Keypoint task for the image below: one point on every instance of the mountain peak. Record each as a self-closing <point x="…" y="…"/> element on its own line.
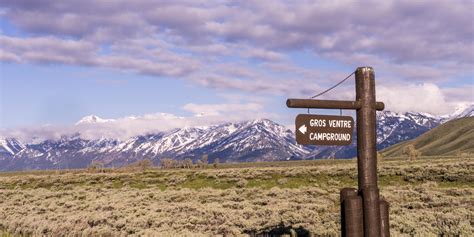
<point x="93" y="119"/>
<point x="262" y="120"/>
<point x="461" y="111"/>
<point x="464" y="110"/>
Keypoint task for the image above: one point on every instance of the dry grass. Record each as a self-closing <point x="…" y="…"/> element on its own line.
<point x="428" y="197"/>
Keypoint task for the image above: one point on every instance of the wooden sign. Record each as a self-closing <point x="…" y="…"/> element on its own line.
<point x="324" y="129"/>
<point x="310" y="129"/>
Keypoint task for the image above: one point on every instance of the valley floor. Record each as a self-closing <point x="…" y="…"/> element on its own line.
<point x="428" y="197"/>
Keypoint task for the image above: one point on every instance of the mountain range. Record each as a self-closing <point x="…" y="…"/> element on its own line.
<point x="257" y="140"/>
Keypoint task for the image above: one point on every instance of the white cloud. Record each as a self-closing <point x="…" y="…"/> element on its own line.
<point x="129" y="126"/>
<point x="8" y="57"/>
<point x="396" y="33"/>
<point x="265" y="55"/>
<point x="125" y="127"/>
<point x="228" y="112"/>
<point x="424" y="97"/>
<point x="127" y="55"/>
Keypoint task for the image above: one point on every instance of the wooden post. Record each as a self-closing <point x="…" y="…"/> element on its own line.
<point x="385" y="225"/>
<point x="366" y="150"/>
<point x="351" y="213"/>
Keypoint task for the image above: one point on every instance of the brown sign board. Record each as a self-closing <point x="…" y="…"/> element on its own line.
<point x="314" y="129"/>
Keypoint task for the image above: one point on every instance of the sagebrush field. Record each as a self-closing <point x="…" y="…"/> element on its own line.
<point x="428" y="197"/>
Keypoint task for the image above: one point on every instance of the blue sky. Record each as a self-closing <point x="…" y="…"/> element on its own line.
<point x="200" y="63"/>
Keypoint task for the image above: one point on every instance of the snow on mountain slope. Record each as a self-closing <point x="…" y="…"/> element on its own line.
<point x="193" y="142"/>
<point x="10" y="146"/>
<point x="462" y="111"/>
<point x="394" y="127"/>
<point x="258" y="140"/>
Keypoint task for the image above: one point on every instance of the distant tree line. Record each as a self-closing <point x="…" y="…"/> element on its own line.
<point x="168" y="163"/>
<point x="140" y="165"/>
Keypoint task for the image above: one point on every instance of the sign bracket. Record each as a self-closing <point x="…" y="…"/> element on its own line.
<point x="329" y="104"/>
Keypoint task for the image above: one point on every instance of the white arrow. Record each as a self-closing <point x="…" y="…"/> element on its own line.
<point x="303" y="129"/>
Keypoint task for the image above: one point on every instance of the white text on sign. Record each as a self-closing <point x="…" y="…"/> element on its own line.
<point x="332" y="123"/>
<point x="330" y="136"/>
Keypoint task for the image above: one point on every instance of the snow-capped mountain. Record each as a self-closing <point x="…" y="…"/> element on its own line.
<point x="91" y="119"/>
<point x="240" y="138"/>
<point x="257" y="140"/>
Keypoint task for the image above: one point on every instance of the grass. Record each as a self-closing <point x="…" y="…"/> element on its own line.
<point x="205" y="182"/>
<point x="430" y="196"/>
<point x="293" y="174"/>
<point x="451" y="138"/>
<point x="5" y="234"/>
